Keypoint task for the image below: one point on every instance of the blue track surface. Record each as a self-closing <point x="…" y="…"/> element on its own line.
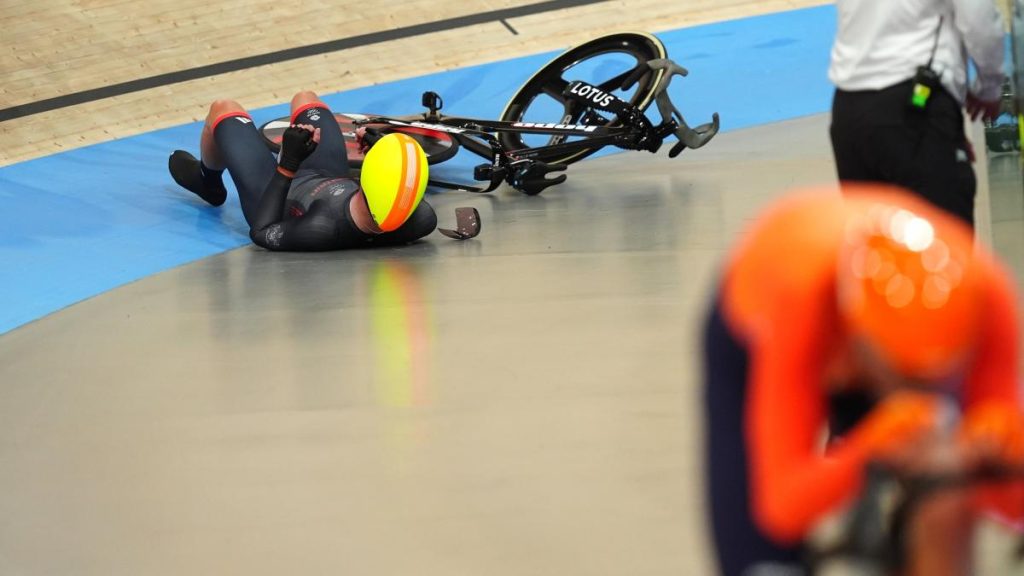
<point x="82" y="222"/>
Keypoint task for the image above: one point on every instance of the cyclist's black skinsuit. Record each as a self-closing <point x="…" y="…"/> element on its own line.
<point x="310" y="212"/>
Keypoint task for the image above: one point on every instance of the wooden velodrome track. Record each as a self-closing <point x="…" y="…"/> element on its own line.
<point x="165" y="428"/>
<point x="54" y="48"/>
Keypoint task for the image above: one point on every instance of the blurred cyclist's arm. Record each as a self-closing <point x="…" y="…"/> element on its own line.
<point x="993" y="376"/>
<point x="794" y="482"/>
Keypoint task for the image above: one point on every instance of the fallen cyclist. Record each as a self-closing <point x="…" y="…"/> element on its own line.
<point x="308" y="199"/>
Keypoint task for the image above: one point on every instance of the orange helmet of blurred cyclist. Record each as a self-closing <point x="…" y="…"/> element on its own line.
<point x="907" y="284"/>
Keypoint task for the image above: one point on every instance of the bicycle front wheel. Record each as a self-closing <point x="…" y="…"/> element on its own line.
<point x="603" y="62"/>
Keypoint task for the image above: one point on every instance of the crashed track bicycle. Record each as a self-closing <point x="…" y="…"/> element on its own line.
<point x="581" y="118"/>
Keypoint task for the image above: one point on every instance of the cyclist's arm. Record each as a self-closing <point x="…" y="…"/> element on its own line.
<point x="994" y="377"/>
<point x="793" y="483"/>
<point x="993" y="386"/>
<point x="269" y="230"/>
<point x="420" y="223"/>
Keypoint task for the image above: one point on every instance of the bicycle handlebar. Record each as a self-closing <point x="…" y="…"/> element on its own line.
<point x="688" y="137"/>
<point x="924" y="484"/>
<point x="876" y="540"/>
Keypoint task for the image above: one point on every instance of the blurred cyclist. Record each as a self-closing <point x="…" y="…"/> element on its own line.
<point x="308" y="200"/>
<point x="850" y="318"/>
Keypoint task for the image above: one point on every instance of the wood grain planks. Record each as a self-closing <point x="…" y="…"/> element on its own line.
<point x="57" y="47"/>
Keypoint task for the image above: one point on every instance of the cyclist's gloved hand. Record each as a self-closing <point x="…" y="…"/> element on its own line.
<point x="994" y="431"/>
<point x="900" y="418"/>
<point x="297" y="144"/>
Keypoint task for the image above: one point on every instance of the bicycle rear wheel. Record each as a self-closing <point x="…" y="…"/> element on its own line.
<point x="438" y="146"/>
<point x="604" y="62"/>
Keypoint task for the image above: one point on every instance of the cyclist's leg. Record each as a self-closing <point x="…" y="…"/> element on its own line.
<point x="949" y="180"/>
<point x="208" y="150"/>
<point x="330" y="156"/>
<point x="935" y="533"/>
<point x="741" y="548"/>
<point x="940" y="536"/>
<point x="230" y="140"/>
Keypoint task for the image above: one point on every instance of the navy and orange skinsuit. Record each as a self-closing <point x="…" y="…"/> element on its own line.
<point x="776" y="358"/>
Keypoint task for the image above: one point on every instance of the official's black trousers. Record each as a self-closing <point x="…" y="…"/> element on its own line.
<point x="878" y="137"/>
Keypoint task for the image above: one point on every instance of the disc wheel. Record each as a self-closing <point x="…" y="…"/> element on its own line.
<point x="603" y="62"/>
<point x="438" y="146"/>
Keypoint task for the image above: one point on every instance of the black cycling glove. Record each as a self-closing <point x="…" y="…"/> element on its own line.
<point x="296" y="145"/>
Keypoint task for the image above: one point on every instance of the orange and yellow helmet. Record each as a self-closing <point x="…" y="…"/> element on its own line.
<point x="394" y="177"/>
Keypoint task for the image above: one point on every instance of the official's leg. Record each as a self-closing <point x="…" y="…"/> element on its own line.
<point x="847" y="135"/>
<point x="946" y="175"/>
<point x="925" y="152"/>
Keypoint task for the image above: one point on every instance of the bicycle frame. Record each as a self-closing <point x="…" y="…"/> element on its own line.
<point x="586" y="119"/>
<point x="595" y="135"/>
<point x="874" y="537"/>
<point x="526" y="168"/>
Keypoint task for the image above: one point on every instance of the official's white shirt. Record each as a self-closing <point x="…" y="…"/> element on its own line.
<point x="882" y="42"/>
